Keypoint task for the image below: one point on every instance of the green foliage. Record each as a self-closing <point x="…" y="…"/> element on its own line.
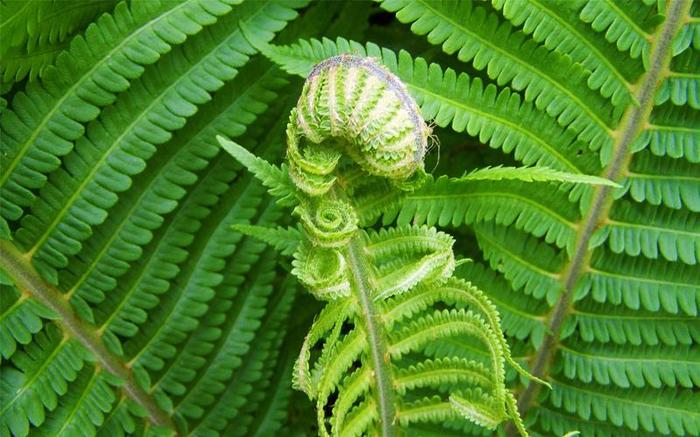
<point x="133" y="300"/>
<point x="35" y="32"/>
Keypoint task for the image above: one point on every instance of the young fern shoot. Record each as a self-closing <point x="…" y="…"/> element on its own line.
<point x="384" y="355"/>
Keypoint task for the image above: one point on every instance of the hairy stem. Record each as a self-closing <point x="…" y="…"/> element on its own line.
<point x="631" y="125"/>
<point x="375" y="336"/>
<point x="28" y="281"/>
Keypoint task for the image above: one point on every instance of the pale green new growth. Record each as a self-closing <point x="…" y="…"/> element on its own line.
<point x="534" y="174"/>
<point x="391" y="293"/>
<point x="273" y="177"/>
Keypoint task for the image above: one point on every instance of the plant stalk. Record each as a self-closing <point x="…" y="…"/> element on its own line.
<point x="18" y="266"/>
<point x="631" y="125"/>
<point x="375" y="335"/>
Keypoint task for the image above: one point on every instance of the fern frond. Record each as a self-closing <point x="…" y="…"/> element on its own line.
<point x="637" y="229"/>
<point x="39" y="376"/>
<point x="122" y="420"/>
<point x="237" y="322"/>
<point x="619" y="325"/>
<point x="674" y="133"/>
<point x="352" y="389"/>
<point x="84" y="407"/>
<point x="442" y="373"/>
<point x="683" y="82"/>
<point x="357" y="271"/>
<point x="273" y="177"/>
<point x="533" y="174"/>
<point x="560" y="29"/>
<point x="625" y="366"/>
<point x="164" y="321"/>
<point x="642" y="283"/>
<point x="32" y="24"/>
<point x="622" y="22"/>
<point x="555" y="84"/>
<point x="39" y="31"/>
<point x="323" y="323"/>
<point x="256" y="365"/>
<point x="284" y="240"/>
<point x="508" y="251"/>
<point x="48" y="117"/>
<point x="440" y="324"/>
<point x="417" y="254"/>
<point x="117" y="145"/>
<point x="361" y="418"/>
<point x="177" y="297"/>
<point x="272" y="391"/>
<point x="21" y="317"/>
<point x="18" y="64"/>
<point x="194" y="297"/>
<point x="522" y="315"/>
<point x="656" y="180"/>
<point x="642" y="410"/>
<point x="553" y="420"/>
<point x="457" y="200"/>
<point x="131" y="225"/>
<point x="124" y="313"/>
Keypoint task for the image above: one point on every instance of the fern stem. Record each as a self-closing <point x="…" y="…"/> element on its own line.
<point x="633" y="122"/>
<point x="18" y="266"/>
<point x="382" y="373"/>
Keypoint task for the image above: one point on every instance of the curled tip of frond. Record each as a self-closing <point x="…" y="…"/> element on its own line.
<point x="301" y="378"/>
<point x="328" y="223"/>
<point x="323" y="271"/>
<point x="353" y="105"/>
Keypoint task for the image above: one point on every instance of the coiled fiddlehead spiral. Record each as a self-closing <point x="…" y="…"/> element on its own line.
<point x="383" y="341"/>
<point x="352" y="105"/>
<point x="323" y="271"/>
<point x="328" y="222"/>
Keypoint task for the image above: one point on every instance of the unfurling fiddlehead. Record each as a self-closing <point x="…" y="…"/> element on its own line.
<point x="381" y="356"/>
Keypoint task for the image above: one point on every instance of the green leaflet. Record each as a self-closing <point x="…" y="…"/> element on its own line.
<point x="554" y="83"/>
<point x="34" y="33"/>
<point x="50" y="116"/>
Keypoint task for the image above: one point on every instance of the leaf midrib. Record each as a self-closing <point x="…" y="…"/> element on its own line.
<point x="26" y="278"/>
<point x="375" y="339"/>
<point x="633" y="122"/>
<point x="143" y="115"/>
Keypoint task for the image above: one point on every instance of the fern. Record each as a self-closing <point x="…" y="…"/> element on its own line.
<point x="566" y="178"/>
<point x="384" y="285"/>
<point x="640" y="228"/>
<point x="34" y="33"/>
<point x="143" y="257"/>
